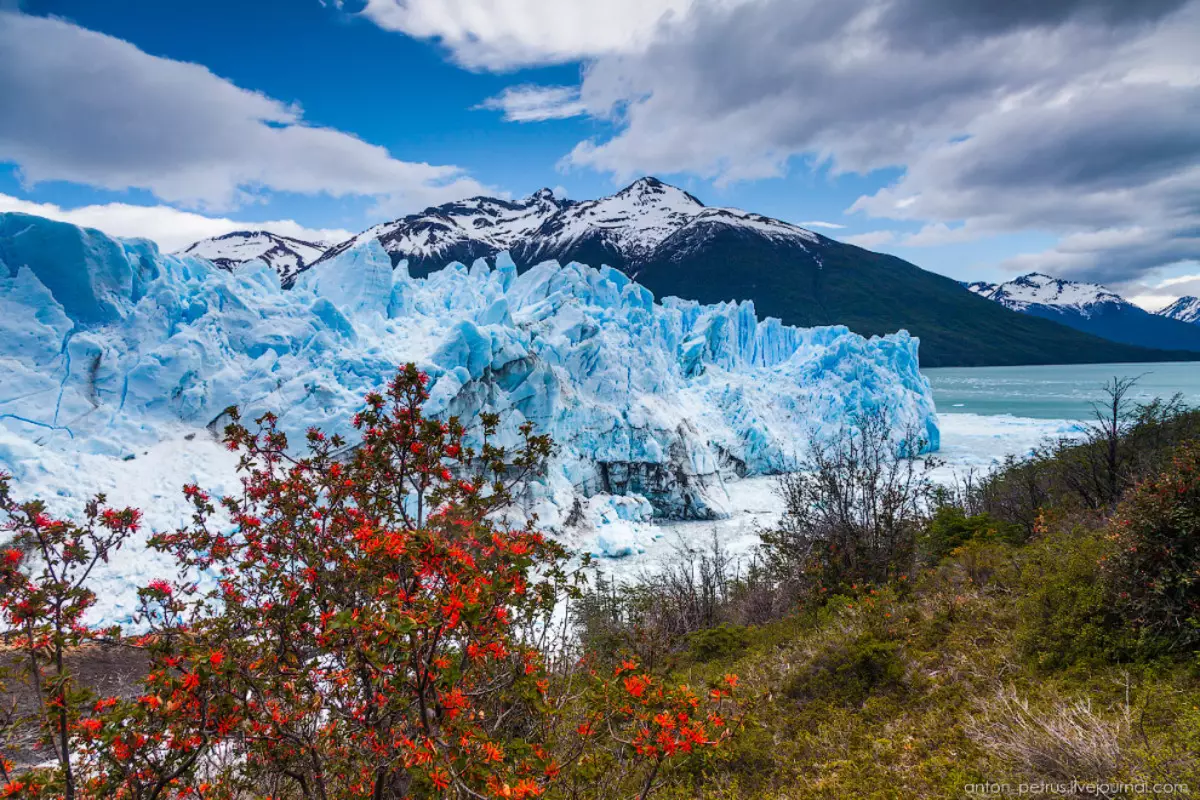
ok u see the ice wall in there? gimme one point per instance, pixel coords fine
(108, 348)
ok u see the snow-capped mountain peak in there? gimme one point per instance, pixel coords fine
(460, 231)
(624, 229)
(1039, 289)
(285, 254)
(1185, 309)
(1091, 308)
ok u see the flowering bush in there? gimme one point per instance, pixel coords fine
(365, 628)
(45, 564)
(1155, 568)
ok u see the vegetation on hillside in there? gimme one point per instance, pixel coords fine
(1038, 626)
(368, 628)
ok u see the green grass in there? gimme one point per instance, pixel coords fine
(884, 695)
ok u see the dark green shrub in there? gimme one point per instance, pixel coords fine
(1065, 611)
(720, 642)
(848, 673)
(950, 528)
(1155, 569)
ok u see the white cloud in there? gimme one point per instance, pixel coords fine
(939, 233)
(870, 239)
(1153, 295)
(504, 34)
(819, 224)
(527, 103)
(1078, 118)
(81, 106)
(170, 228)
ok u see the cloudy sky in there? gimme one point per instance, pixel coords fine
(977, 138)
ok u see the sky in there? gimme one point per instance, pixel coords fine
(976, 138)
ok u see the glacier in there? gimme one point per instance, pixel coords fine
(118, 360)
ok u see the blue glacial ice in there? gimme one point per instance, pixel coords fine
(109, 348)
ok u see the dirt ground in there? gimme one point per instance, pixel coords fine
(108, 670)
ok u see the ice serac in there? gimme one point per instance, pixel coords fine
(110, 348)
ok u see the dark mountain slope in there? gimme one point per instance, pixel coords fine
(873, 293)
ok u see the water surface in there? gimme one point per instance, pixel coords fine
(1055, 391)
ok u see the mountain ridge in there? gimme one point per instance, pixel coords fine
(672, 243)
(287, 255)
(1186, 309)
(1091, 308)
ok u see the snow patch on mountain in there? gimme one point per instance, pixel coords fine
(112, 352)
(286, 255)
(1185, 309)
(1037, 289)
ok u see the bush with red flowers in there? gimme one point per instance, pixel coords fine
(1155, 567)
(354, 623)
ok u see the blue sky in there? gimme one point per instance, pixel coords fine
(943, 140)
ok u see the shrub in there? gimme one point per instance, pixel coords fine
(45, 564)
(980, 562)
(847, 673)
(720, 642)
(950, 528)
(853, 511)
(656, 615)
(1155, 569)
(1065, 612)
(371, 630)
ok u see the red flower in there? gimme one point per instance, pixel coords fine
(151, 701)
(91, 727)
(440, 779)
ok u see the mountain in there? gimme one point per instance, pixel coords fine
(461, 231)
(1185, 309)
(673, 244)
(1091, 308)
(623, 230)
(283, 253)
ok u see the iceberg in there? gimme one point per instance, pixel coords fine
(109, 349)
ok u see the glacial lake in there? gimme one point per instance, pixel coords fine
(1054, 391)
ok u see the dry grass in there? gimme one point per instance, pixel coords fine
(1068, 741)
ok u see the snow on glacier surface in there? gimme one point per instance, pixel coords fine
(111, 352)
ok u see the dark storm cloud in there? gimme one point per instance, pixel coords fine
(1078, 118)
(931, 23)
(1113, 139)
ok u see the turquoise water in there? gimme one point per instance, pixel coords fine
(1054, 392)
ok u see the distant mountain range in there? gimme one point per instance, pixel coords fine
(287, 255)
(1092, 308)
(1185, 309)
(673, 244)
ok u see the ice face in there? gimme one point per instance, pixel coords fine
(109, 348)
